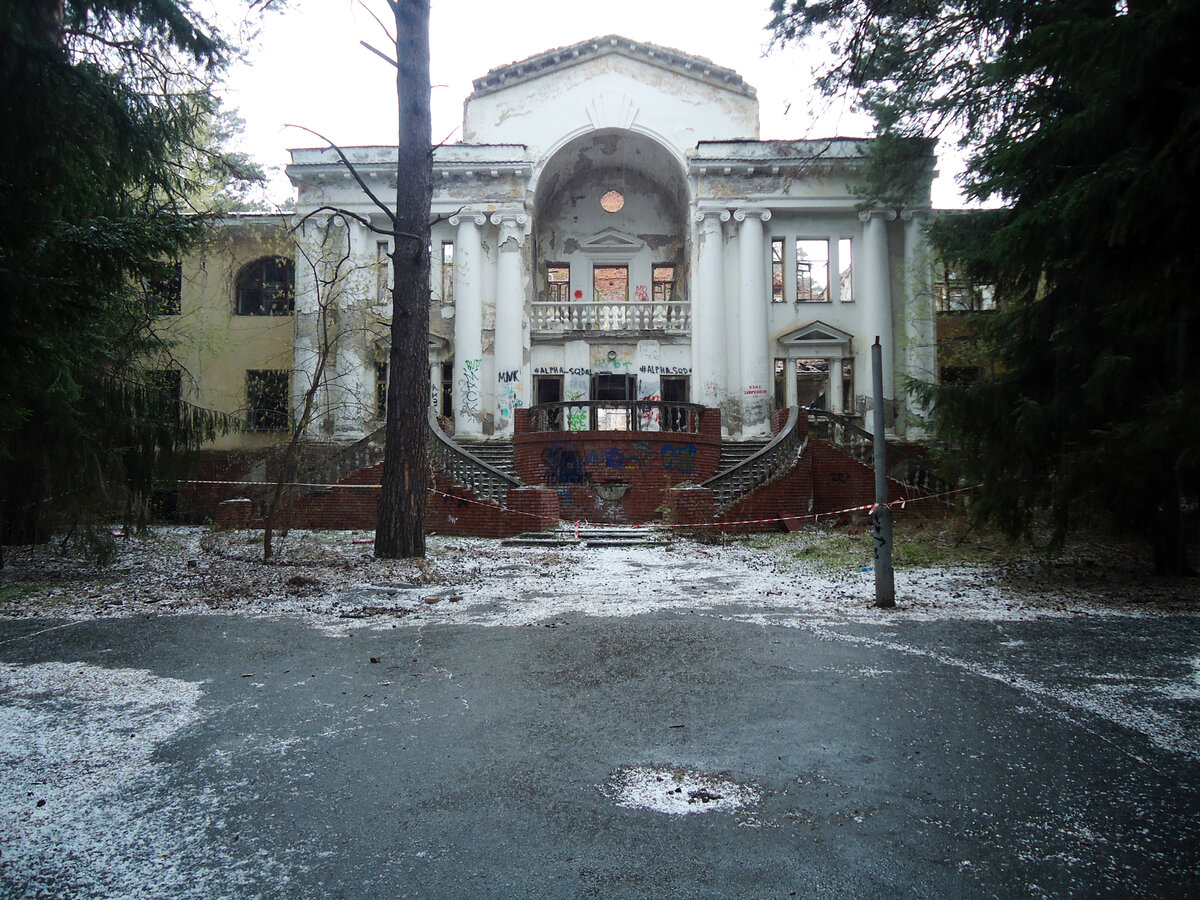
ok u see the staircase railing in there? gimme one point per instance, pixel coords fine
(903, 466)
(763, 467)
(342, 460)
(465, 468)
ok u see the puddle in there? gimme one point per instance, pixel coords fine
(677, 792)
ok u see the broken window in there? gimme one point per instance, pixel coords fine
(610, 284)
(267, 399)
(558, 282)
(663, 280)
(846, 270)
(163, 295)
(267, 287)
(812, 271)
(447, 272)
(777, 295)
(955, 291)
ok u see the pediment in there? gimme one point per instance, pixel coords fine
(611, 240)
(816, 332)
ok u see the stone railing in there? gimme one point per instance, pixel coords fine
(903, 466)
(644, 315)
(763, 467)
(465, 469)
(332, 465)
(614, 415)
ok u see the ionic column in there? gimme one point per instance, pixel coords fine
(876, 296)
(919, 316)
(468, 324)
(709, 360)
(510, 319)
(752, 334)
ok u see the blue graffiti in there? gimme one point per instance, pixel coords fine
(679, 458)
(561, 465)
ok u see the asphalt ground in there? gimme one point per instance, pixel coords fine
(928, 759)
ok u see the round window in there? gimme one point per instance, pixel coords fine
(612, 201)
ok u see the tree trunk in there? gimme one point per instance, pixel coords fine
(401, 528)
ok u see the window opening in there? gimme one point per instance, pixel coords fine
(674, 389)
(549, 389)
(558, 282)
(846, 273)
(614, 389)
(780, 383)
(955, 291)
(612, 201)
(812, 271)
(267, 287)
(267, 399)
(610, 284)
(847, 386)
(447, 272)
(448, 389)
(777, 295)
(663, 281)
(812, 383)
(381, 372)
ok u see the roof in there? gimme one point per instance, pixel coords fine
(562, 57)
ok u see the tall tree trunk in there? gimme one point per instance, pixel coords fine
(401, 528)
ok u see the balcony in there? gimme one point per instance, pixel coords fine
(671, 317)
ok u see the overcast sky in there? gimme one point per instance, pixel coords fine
(307, 67)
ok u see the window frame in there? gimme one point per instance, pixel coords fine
(282, 299)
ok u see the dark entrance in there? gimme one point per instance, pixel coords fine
(620, 389)
(549, 389)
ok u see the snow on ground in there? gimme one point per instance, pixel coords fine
(332, 580)
(84, 805)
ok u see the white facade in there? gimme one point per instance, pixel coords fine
(612, 224)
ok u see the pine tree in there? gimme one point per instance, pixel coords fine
(1083, 117)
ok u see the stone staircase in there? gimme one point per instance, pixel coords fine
(591, 536)
(734, 453)
(496, 453)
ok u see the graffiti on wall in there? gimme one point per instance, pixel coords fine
(561, 464)
(679, 458)
(468, 385)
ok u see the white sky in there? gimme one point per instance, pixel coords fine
(307, 67)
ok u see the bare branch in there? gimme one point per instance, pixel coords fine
(361, 220)
(353, 171)
(380, 54)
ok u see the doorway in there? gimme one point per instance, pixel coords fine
(614, 389)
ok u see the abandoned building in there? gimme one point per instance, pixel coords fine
(632, 298)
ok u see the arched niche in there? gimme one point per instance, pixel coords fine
(610, 198)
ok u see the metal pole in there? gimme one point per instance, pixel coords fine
(885, 582)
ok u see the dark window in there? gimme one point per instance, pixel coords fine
(267, 287)
(163, 294)
(955, 291)
(164, 395)
(381, 389)
(961, 374)
(447, 405)
(267, 399)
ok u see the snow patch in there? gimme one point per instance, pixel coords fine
(677, 792)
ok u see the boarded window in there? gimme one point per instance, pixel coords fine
(663, 279)
(812, 271)
(777, 295)
(558, 282)
(267, 399)
(267, 287)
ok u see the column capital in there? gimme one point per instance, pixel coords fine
(888, 215)
(741, 214)
(467, 216)
(509, 218)
(915, 215)
(701, 214)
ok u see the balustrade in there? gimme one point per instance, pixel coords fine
(612, 415)
(672, 316)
